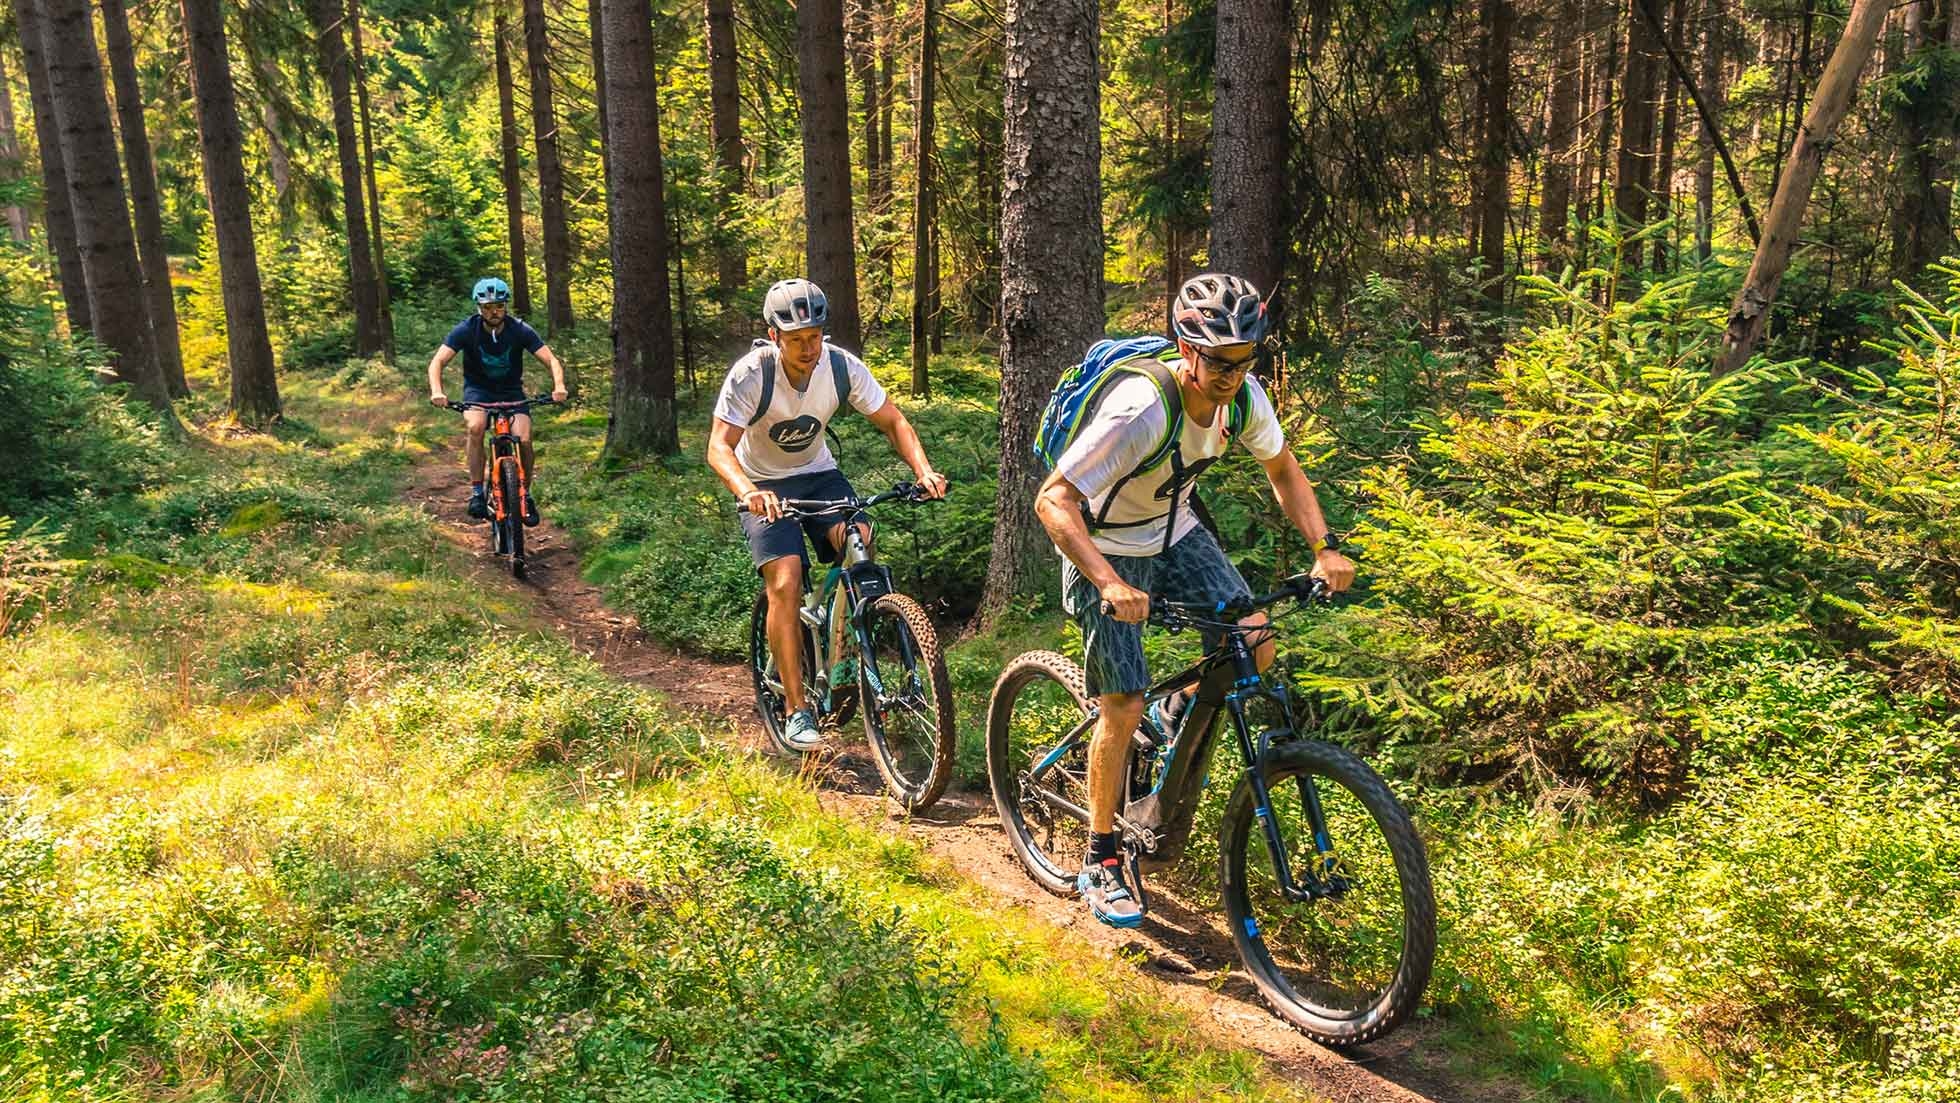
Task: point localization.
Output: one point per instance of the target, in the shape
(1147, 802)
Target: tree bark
(1712, 40)
(1051, 259)
(328, 20)
(642, 417)
(1749, 314)
(159, 300)
(596, 28)
(1670, 114)
(95, 193)
(551, 174)
(1249, 146)
(1925, 108)
(520, 277)
(56, 208)
(832, 240)
(1494, 186)
(925, 269)
(725, 123)
(17, 222)
(862, 38)
(1635, 176)
(254, 387)
(1555, 199)
(373, 188)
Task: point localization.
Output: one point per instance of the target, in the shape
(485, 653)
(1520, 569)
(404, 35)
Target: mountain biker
(1110, 573)
(493, 343)
(767, 444)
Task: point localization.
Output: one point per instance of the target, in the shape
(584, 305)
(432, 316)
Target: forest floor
(1181, 951)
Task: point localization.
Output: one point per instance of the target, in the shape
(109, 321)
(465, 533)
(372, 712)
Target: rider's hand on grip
(439, 399)
(1125, 602)
(763, 503)
(1335, 568)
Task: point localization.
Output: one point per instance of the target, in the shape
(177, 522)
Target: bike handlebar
(1179, 614)
(524, 403)
(817, 507)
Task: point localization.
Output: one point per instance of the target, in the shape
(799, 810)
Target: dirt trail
(1181, 946)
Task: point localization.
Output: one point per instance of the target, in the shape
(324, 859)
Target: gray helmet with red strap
(795, 304)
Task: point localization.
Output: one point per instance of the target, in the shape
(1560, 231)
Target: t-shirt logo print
(796, 434)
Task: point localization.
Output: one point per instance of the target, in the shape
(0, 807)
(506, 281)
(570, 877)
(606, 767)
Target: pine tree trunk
(924, 205)
(56, 207)
(832, 241)
(158, 298)
(642, 418)
(596, 28)
(1051, 259)
(1494, 188)
(1939, 227)
(863, 42)
(1712, 40)
(551, 175)
(95, 193)
(1670, 115)
(17, 221)
(1555, 200)
(1749, 314)
(1249, 146)
(329, 18)
(373, 188)
(520, 276)
(1635, 176)
(254, 387)
(725, 121)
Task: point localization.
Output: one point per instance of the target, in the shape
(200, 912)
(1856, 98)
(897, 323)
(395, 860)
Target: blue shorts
(1193, 569)
(775, 539)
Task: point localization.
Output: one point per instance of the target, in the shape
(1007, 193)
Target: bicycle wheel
(511, 490)
(770, 702)
(910, 725)
(1037, 701)
(1350, 966)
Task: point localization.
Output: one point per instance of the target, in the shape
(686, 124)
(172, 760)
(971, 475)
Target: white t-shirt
(788, 438)
(1126, 427)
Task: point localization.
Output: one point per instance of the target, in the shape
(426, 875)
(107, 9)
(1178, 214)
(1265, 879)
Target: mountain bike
(1325, 883)
(508, 481)
(868, 648)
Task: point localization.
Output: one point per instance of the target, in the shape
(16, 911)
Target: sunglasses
(1221, 366)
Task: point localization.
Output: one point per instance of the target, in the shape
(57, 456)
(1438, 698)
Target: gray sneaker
(800, 730)
(1108, 894)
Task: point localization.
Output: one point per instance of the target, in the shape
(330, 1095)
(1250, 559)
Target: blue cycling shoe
(1108, 894)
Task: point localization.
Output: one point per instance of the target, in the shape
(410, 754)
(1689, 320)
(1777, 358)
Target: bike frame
(1227, 678)
(504, 448)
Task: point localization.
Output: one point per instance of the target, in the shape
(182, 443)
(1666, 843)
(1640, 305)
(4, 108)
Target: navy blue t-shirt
(494, 365)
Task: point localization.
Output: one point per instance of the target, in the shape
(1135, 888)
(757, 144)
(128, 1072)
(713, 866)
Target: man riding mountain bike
(493, 345)
(1117, 507)
(767, 445)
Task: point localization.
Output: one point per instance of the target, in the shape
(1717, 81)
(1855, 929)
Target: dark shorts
(474, 393)
(1193, 569)
(775, 539)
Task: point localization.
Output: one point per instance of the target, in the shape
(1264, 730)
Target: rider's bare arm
(890, 420)
(1059, 506)
(558, 391)
(443, 355)
(722, 440)
(1295, 494)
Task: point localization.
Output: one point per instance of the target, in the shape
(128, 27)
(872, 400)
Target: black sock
(1102, 847)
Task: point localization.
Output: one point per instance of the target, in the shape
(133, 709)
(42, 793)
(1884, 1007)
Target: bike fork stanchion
(1248, 677)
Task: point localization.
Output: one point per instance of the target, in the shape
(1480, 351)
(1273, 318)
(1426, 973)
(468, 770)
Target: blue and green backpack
(1080, 391)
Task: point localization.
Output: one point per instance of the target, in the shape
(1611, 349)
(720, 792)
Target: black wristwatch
(1331, 541)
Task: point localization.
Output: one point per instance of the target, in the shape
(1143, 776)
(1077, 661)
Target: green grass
(290, 808)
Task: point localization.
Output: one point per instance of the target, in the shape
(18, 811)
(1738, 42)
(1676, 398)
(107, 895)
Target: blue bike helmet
(490, 289)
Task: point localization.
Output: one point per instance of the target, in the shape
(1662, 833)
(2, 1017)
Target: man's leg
(474, 423)
(521, 425)
(1121, 712)
(783, 578)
